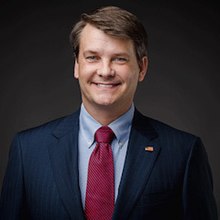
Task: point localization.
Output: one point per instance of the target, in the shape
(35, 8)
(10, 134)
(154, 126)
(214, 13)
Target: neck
(105, 114)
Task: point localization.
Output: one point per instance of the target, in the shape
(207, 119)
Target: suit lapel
(64, 160)
(138, 165)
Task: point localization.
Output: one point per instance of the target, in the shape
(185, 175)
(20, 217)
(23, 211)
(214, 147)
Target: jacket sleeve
(198, 199)
(12, 200)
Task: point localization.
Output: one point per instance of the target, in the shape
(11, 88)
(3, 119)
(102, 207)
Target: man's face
(107, 70)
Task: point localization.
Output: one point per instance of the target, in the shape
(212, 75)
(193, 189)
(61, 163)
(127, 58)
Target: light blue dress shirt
(87, 128)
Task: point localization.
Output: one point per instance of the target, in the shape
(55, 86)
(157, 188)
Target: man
(151, 170)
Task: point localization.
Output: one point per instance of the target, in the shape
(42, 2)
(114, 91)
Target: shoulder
(173, 142)
(164, 131)
(41, 132)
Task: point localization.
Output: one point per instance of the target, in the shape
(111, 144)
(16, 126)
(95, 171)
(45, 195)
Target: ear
(76, 69)
(143, 68)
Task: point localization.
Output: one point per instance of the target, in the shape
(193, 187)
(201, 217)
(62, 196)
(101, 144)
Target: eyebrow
(89, 51)
(114, 54)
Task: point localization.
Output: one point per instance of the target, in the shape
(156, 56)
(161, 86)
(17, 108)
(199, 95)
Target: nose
(105, 69)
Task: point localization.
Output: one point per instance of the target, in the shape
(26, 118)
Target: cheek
(85, 72)
(133, 78)
(132, 81)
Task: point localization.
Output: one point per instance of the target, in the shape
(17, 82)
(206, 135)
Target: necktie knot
(104, 135)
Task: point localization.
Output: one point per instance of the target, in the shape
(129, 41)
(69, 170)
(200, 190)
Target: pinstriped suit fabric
(173, 182)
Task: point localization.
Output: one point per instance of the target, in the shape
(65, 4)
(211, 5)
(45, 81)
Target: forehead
(91, 38)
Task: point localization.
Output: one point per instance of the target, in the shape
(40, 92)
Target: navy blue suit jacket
(171, 182)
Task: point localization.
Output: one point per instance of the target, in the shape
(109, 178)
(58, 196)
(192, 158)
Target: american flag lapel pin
(149, 148)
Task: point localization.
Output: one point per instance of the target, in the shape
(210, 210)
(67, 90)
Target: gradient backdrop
(182, 87)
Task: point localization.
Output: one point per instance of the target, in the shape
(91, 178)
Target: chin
(105, 104)
(105, 101)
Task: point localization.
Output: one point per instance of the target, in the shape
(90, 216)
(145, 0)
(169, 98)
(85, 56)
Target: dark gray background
(182, 87)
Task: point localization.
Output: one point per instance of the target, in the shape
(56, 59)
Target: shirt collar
(121, 126)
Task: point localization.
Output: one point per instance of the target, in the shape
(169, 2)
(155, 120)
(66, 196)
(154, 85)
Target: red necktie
(99, 203)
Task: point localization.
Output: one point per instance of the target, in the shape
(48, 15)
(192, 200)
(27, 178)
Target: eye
(120, 60)
(92, 58)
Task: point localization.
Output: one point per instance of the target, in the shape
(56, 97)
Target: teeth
(105, 85)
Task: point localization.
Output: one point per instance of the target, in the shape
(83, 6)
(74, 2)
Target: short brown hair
(116, 22)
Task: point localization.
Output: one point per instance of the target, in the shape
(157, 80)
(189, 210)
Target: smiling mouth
(105, 85)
